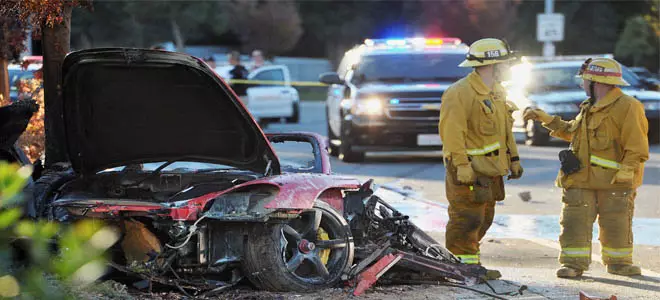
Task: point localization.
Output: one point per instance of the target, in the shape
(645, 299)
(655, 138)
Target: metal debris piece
(525, 196)
(585, 296)
(367, 278)
(390, 246)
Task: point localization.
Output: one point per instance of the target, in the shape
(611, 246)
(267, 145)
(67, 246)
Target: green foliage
(637, 42)
(143, 23)
(45, 273)
(273, 26)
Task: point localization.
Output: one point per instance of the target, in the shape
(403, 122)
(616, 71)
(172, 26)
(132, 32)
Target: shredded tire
(264, 264)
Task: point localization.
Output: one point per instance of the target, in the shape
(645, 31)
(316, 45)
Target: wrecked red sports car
(162, 149)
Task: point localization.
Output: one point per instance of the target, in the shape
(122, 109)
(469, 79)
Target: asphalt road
(523, 240)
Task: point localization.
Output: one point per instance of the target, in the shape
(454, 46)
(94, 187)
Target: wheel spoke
(320, 267)
(331, 244)
(314, 224)
(294, 263)
(286, 229)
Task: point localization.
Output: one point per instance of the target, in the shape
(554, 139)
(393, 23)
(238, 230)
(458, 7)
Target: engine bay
(153, 187)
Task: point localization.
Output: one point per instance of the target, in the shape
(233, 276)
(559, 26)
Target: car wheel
(333, 150)
(535, 135)
(44, 188)
(306, 254)
(295, 117)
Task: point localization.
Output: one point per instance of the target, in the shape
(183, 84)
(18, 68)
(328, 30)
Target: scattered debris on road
(525, 196)
(585, 296)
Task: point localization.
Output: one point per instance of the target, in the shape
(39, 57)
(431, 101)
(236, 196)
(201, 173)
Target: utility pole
(548, 46)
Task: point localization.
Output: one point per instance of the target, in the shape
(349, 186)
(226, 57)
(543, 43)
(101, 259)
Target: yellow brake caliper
(322, 235)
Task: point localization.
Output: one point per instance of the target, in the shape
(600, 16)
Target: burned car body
(161, 148)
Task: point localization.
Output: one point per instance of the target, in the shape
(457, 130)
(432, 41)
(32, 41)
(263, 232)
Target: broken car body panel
(288, 192)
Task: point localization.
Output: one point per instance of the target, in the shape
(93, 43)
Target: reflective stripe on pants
(485, 150)
(605, 163)
(617, 252)
(576, 252)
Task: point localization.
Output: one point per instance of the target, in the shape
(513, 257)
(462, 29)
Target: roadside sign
(550, 27)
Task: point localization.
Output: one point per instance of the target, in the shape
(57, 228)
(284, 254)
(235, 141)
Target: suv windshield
(405, 67)
(563, 78)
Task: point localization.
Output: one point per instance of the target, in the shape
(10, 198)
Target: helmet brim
(605, 80)
(475, 63)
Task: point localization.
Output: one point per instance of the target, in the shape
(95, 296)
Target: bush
(36, 271)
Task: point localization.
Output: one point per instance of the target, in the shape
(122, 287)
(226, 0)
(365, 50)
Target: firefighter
(479, 147)
(601, 171)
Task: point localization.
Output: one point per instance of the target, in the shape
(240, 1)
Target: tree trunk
(55, 42)
(4, 82)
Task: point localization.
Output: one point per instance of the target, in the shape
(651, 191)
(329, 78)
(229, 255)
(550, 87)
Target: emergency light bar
(407, 42)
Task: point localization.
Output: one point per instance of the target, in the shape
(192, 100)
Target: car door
(271, 96)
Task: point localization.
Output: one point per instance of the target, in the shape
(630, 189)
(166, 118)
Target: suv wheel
(346, 153)
(535, 135)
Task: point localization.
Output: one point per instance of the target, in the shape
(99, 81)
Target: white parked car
(269, 102)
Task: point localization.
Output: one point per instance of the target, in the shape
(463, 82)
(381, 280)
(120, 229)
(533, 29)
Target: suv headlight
(368, 106)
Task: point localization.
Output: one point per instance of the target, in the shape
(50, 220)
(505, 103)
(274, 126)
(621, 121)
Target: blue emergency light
(413, 42)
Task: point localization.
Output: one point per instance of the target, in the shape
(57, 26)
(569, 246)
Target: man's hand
(465, 174)
(624, 175)
(516, 170)
(537, 114)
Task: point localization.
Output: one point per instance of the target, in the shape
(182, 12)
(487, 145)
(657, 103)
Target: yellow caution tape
(274, 82)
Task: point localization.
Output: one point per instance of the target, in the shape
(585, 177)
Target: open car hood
(126, 106)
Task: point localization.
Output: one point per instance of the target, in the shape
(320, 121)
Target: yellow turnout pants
(471, 212)
(614, 209)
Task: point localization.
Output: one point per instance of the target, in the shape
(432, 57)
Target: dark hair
(235, 55)
(210, 58)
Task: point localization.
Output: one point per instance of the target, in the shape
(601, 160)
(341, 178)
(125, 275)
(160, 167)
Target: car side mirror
(330, 78)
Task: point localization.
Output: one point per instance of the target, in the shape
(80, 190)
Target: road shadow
(377, 158)
(622, 283)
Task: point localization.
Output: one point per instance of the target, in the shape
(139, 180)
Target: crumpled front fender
(299, 191)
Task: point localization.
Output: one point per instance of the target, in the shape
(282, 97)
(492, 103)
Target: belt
(494, 153)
